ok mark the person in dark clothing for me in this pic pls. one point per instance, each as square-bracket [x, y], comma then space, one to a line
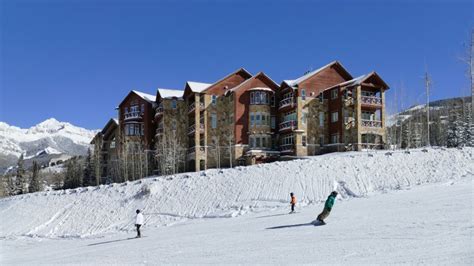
[292, 202]
[139, 222]
[327, 207]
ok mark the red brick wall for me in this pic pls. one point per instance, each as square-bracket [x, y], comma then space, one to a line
[242, 103]
[231, 81]
[147, 119]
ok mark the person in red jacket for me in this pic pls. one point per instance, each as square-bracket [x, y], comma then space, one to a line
[292, 202]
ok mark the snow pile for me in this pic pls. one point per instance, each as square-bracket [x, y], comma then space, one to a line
[166, 200]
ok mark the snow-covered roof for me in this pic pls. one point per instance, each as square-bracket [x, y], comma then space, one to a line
[253, 77]
[147, 97]
[357, 81]
[170, 93]
[292, 83]
[261, 89]
[198, 86]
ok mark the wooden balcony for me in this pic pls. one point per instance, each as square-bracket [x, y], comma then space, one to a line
[159, 111]
[287, 103]
[370, 101]
[132, 115]
[192, 129]
[287, 148]
[371, 123]
[192, 107]
[287, 125]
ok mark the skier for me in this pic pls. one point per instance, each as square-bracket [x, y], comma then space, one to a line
[139, 222]
[327, 207]
[292, 202]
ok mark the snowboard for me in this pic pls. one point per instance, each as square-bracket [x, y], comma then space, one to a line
[318, 223]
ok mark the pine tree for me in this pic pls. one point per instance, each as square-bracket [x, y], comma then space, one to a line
[88, 179]
[468, 127]
[35, 182]
[20, 177]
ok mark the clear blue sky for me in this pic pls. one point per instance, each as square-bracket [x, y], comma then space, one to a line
[75, 60]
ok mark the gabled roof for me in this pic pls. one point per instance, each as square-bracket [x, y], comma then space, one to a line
[111, 123]
[197, 86]
[168, 93]
[297, 81]
[259, 74]
[147, 97]
[243, 70]
[361, 79]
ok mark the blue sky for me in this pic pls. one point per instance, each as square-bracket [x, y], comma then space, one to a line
[75, 60]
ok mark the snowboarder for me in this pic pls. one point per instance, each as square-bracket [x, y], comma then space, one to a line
[327, 207]
[139, 222]
[292, 202]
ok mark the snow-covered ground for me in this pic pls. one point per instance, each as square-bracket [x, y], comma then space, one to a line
[382, 215]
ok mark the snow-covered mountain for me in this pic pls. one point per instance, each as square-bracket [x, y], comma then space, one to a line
[47, 138]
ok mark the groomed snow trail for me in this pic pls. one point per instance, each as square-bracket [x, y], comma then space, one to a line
[108, 209]
[430, 224]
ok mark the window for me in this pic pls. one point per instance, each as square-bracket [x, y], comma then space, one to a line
[303, 94]
[334, 94]
[272, 100]
[321, 119]
[258, 142]
[273, 122]
[142, 129]
[321, 97]
[257, 118]
[126, 110]
[334, 117]
[214, 120]
[259, 97]
[213, 99]
[112, 144]
[252, 121]
[264, 122]
[304, 115]
[143, 108]
[303, 140]
[335, 138]
[173, 104]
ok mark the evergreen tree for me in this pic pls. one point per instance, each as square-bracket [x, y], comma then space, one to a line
[88, 179]
[35, 185]
[74, 174]
[20, 177]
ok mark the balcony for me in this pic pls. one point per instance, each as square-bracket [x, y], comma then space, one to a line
[192, 107]
[286, 148]
[348, 101]
[192, 129]
[287, 102]
[159, 111]
[372, 123]
[287, 125]
[159, 131]
[371, 101]
[132, 115]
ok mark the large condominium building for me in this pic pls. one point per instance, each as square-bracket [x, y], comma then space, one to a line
[245, 119]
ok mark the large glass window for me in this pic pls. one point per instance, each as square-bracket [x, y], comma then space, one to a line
[321, 119]
[214, 120]
[273, 122]
[334, 116]
[334, 94]
[173, 104]
[303, 94]
[213, 99]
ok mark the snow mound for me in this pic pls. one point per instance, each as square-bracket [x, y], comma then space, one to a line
[90, 211]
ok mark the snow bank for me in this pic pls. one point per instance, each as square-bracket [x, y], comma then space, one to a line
[214, 193]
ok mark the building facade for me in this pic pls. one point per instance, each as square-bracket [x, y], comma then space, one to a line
[245, 119]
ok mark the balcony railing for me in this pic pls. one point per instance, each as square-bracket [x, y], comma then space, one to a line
[370, 100]
[192, 129]
[132, 115]
[286, 102]
[287, 147]
[291, 124]
[192, 107]
[159, 111]
[371, 123]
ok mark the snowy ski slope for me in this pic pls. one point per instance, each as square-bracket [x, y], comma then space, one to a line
[109, 209]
